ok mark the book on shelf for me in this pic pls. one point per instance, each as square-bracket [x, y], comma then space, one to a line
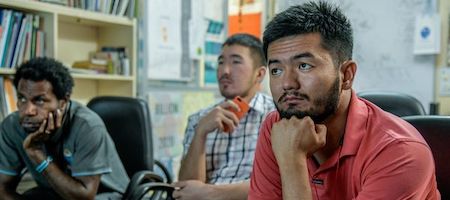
[10, 95]
[113, 7]
[119, 58]
[91, 66]
[2, 101]
[6, 18]
[109, 60]
[8, 98]
[21, 38]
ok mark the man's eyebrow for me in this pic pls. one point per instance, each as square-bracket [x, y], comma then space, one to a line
[273, 62]
[298, 56]
[303, 55]
[236, 56]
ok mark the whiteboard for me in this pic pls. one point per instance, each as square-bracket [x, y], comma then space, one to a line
[383, 46]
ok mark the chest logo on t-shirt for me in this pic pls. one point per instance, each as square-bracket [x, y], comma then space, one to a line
[68, 156]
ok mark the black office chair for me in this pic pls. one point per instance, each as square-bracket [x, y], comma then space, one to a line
[128, 123]
[436, 131]
[396, 103]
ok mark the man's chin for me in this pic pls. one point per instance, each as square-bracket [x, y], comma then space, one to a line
[30, 129]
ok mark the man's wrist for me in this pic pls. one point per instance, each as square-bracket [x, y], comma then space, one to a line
[44, 164]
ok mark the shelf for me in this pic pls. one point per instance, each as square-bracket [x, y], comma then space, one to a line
[72, 33]
[68, 14]
[103, 77]
[82, 76]
[4, 71]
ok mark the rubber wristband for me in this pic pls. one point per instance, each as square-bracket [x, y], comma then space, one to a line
[44, 164]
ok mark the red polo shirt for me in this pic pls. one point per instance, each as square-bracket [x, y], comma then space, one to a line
[382, 157]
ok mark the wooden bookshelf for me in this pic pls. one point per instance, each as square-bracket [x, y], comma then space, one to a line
[72, 33]
[442, 58]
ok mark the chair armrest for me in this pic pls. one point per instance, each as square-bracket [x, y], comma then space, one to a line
[138, 178]
[157, 188]
[164, 170]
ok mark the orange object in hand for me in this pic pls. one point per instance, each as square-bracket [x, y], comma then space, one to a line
[243, 109]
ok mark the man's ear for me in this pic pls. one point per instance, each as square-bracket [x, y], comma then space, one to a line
[63, 102]
[348, 70]
[260, 73]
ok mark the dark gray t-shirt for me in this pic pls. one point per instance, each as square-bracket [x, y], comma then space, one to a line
[87, 149]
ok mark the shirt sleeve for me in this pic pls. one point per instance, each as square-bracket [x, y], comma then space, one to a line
[265, 181]
[10, 162]
[404, 170]
[91, 152]
[189, 132]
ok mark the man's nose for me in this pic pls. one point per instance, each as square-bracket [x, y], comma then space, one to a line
[290, 80]
[29, 109]
[226, 68]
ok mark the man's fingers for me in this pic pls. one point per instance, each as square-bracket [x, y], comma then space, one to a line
[322, 133]
[42, 127]
[230, 115]
[179, 184]
[50, 123]
[230, 105]
[58, 118]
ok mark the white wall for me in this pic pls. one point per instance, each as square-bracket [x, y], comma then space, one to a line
[383, 45]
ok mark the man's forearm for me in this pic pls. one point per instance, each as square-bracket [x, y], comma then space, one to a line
[66, 186]
[295, 180]
[9, 195]
[234, 191]
[193, 165]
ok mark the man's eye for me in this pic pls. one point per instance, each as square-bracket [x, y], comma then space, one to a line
[21, 100]
[220, 62]
[275, 71]
[39, 102]
[236, 62]
[304, 66]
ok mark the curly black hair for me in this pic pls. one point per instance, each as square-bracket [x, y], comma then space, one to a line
[49, 69]
[329, 21]
[253, 43]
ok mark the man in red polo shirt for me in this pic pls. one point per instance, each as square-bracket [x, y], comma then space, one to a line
[324, 142]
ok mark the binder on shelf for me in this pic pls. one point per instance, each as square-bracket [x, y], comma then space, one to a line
[10, 96]
[14, 37]
[2, 101]
[6, 30]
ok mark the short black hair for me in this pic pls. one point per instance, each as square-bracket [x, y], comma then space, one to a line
[332, 25]
[49, 69]
[250, 41]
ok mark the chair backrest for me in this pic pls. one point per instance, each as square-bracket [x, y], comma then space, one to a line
[436, 131]
[396, 103]
[128, 123]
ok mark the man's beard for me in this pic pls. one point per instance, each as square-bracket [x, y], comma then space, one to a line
[31, 128]
[329, 102]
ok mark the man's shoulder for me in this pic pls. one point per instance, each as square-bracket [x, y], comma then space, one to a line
[82, 114]
[203, 111]
[263, 103]
[10, 126]
[384, 129]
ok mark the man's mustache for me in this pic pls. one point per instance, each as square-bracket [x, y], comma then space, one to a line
[292, 93]
[225, 76]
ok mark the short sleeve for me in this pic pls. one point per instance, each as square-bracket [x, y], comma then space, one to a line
[404, 170]
[265, 181]
[10, 162]
[189, 132]
[90, 154]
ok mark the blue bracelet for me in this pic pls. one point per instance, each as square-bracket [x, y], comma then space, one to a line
[44, 164]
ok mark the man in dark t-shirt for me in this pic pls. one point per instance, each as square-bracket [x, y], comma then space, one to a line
[63, 144]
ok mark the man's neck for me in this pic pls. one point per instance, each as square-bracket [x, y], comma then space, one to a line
[335, 129]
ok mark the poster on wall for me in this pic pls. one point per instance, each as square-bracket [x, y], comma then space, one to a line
[244, 16]
[169, 111]
[215, 35]
[163, 39]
